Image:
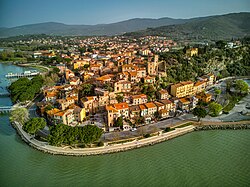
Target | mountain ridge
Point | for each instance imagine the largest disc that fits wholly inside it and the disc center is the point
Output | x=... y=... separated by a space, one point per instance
x=133 y=26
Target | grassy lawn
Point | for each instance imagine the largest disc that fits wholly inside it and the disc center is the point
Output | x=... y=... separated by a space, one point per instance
x=233 y=100
x=184 y=125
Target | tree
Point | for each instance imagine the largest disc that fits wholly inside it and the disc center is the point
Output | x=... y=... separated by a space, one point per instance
x=86 y=66
x=119 y=122
x=215 y=108
x=119 y=98
x=24 y=89
x=34 y=124
x=217 y=92
x=55 y=70
x=241 y=86
x=87 y=90
x=199 y=112
x=91 y=133
x=20 y=115
x=63 y=134
x=139 y=120
x=157 y=115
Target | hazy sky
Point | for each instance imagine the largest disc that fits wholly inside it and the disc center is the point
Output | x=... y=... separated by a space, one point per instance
x=21 y=12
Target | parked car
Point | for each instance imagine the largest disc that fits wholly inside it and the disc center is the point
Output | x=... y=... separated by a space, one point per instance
x=133 y=129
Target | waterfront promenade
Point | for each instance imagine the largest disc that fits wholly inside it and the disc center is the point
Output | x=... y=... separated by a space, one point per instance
x=67 y=150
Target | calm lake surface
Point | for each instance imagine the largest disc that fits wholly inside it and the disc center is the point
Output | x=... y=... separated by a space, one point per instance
x=205 y=158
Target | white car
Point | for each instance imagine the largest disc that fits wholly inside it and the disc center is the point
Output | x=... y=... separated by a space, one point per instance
x=133 y=129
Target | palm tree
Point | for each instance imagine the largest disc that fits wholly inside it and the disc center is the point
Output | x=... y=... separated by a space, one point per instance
x=20 y=115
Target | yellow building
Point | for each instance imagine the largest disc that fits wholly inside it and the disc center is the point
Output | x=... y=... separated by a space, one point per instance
x=192 y=51
x=182 y=89
x=122 y=86
x=80 y=63
x=116 y=110
x=199 y=86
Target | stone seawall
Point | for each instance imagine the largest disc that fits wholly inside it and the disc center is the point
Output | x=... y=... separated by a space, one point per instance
x=114 y=148
x=223 y=127
x=44 y=147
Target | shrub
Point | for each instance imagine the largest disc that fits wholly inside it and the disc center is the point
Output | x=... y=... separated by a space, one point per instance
x=99 y=144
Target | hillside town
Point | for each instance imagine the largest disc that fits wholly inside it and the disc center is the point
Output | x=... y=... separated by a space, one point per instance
x=115 y=83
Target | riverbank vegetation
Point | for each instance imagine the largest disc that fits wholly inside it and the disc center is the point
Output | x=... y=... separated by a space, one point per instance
x=24 y=89
x=20 y=115
x=33 y=125
x=66 y=135
x=213 y=58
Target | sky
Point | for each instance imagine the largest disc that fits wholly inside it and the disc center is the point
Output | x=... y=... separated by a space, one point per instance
x=90 y=12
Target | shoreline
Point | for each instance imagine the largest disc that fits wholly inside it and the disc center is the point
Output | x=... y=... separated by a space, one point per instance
x=114 y=148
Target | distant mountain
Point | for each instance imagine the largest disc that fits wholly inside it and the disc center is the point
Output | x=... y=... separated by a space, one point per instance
x=227 y=26
x=53 y=28
x=212 y=27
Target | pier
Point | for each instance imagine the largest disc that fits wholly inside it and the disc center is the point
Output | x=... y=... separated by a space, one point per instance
x=30 y=73
x=4 y=94
x=7 y=109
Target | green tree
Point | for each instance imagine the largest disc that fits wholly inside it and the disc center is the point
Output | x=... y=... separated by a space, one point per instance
x=63 y=134
x=217 y=92
x=24 y=89
x=119 y=122
x=34 y=124
x=157 y=115
x=86 y=66
x=20 y=115
x=91 y=133
x=55 y=70
x=215 y=108
x=199 y=112
x=241 y=86
x=119 y=98
x=87 y=90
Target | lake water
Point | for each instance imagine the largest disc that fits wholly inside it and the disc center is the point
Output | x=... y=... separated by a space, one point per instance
x=205 y=158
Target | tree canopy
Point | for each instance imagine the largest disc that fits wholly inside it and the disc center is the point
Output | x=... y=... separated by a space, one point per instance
x=199 y=112
x=119 y=122
x=119 y=98
x=20 y=115
x=241 y=86
x=24 y=89
x=215 y=108
x=63 y=134
x=87 y=90
x=34 y=124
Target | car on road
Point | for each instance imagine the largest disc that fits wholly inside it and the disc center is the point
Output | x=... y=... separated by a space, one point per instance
x=133 y=129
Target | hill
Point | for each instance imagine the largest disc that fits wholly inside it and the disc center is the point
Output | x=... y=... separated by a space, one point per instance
x=53 y=28
x=227 y=26
x=203 y=28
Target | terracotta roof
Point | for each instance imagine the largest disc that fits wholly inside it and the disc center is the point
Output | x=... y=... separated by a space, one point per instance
x=53 y=111
x=163 y=111
x=165 y=101
x=134 y=108
x=150 y=105
x=163 y=91
x=187 y=82
x=91 y=98
x=103 y=78
x=133 y=73
x=60 y=113
x=120 y=106
x=158 y=104
x=142 y=107
x=184 y=100
x=139 y=96
x=198 y=83
x=51 y=94
x=110 y=107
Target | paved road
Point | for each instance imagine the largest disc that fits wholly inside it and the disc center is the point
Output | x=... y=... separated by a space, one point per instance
x=150 y=128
